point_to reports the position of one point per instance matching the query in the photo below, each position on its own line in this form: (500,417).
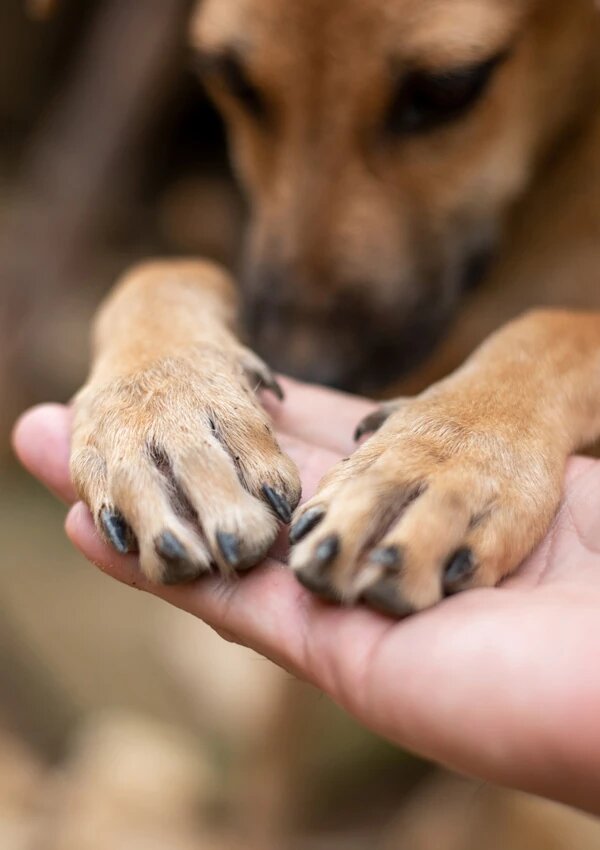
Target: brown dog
(388,147)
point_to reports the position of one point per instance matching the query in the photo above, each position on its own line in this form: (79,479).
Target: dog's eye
(427,100)
(227,71)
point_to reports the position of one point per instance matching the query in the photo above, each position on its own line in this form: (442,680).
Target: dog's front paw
(433,504)
(179,462)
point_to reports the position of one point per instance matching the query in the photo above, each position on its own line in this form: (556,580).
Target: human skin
(501,684)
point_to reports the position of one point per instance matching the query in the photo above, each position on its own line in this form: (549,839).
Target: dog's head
(381,144)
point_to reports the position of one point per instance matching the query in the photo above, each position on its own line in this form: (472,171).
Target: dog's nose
(273,305)
(313,362)
(338,338)
(310,351)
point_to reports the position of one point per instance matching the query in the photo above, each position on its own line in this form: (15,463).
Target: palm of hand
(498,683)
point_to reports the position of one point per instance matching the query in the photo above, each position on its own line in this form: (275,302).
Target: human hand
(500,684)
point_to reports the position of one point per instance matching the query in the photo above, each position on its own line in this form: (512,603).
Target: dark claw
(372,423)
(273,386)
(279,503)
(230,548)
(459,571)
(327,550)
(388,557)
(180,567)
(267,382)
(384,596)
(237,553)
(314,578)
(306,524)
(117,531)
(170,548)
(315,575)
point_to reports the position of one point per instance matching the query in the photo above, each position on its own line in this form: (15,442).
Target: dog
(395,153)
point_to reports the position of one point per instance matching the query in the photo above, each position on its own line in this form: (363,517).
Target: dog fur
(387,149)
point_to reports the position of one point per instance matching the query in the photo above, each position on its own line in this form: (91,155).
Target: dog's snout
(272,294)
(270,305)
(278,299)
(336,335)
(293,336)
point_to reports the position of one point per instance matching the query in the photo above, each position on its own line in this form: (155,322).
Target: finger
(41,441)
(312,461)
(267,610)
(82,532)
(325,418)
(446,684)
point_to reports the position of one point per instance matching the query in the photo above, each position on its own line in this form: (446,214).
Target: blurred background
(124,724)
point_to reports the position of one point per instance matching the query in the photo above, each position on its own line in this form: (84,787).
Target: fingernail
(279,503)
(307,522)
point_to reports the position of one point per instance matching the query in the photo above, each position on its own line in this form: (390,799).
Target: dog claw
(273,386)
(117,531)
(279,503)
(460,569)
(263,379)
(180,567)
(170,548)
(384,596)
(372,423)
(236,553)
(316,580)
(314,576)
(307,523)
(230,548)
(389,557)
(327,550)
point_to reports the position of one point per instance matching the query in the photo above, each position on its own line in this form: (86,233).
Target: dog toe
(415,516)
(193,479)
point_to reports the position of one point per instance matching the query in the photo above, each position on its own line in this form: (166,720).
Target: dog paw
(179,462)
(433,504)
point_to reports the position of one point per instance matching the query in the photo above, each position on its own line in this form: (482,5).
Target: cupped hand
(502,684)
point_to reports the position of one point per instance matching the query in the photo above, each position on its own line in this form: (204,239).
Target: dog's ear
(41,10)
